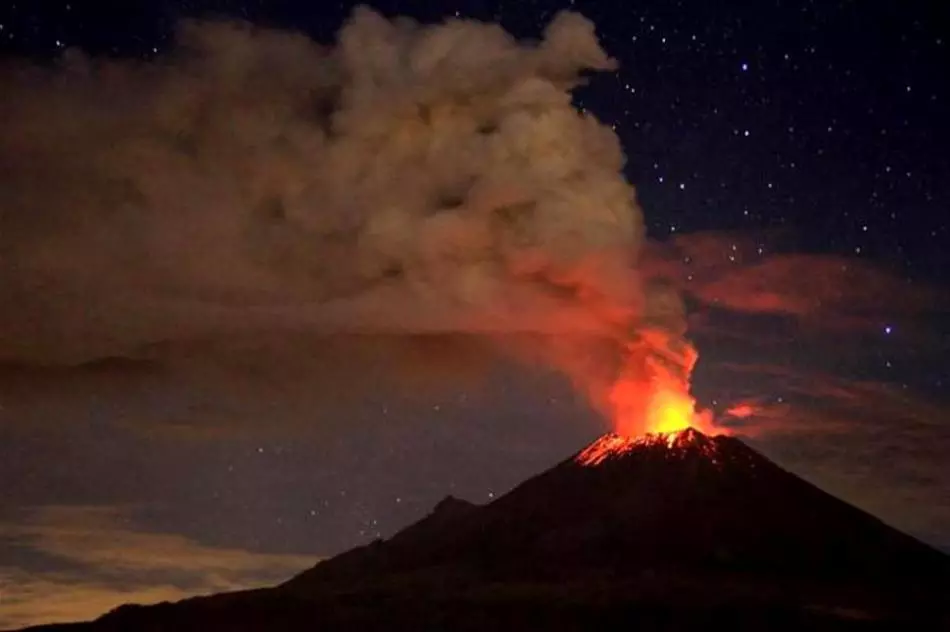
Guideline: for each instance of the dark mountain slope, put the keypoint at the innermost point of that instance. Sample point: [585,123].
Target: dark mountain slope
[673,532]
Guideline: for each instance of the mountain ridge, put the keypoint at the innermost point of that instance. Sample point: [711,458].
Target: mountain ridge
[682,524]
[680,498]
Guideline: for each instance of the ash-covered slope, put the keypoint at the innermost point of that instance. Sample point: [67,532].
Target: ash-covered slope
[677,531]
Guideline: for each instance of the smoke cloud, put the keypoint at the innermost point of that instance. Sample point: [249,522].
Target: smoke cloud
[409,180]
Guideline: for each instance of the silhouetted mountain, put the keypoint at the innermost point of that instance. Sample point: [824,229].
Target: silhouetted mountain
[671,531]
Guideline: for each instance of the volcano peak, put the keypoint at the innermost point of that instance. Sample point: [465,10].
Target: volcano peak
[612,445]
[658,530]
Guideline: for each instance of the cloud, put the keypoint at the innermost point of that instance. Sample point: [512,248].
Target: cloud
[39,598]
[411,179]
[94,560]
[425,182]
[808,401]
[744,273]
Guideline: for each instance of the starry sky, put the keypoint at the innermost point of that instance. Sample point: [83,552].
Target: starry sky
[790,159]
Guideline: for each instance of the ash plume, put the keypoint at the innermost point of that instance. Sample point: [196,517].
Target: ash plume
[409,180]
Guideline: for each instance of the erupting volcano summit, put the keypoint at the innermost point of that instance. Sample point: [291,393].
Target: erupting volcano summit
[616,446]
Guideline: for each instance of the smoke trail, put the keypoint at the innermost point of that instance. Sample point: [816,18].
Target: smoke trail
[411,179]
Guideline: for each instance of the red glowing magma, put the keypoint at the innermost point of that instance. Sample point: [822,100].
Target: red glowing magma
[649,414]
[650,394]
[657,406]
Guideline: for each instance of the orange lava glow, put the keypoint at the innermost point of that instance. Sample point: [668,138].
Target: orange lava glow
[650,393]
[670,411]
[651,408]
[612,446]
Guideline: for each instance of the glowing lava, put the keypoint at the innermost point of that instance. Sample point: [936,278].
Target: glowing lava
[650,392]
[678,442]
[655,409]
[669,411]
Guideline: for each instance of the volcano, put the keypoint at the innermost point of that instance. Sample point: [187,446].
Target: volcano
[675,530]
[660,503]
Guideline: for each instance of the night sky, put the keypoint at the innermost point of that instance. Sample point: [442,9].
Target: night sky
[791,161]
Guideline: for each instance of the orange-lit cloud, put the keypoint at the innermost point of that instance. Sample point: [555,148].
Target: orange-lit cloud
[740,272]
[29,598]
[413,181]
[106,562]
[875,398]
[770,419]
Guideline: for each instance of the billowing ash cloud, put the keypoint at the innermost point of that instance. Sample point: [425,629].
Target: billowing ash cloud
[411,179]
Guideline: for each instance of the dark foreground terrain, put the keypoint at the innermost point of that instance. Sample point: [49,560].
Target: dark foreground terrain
[661,532]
